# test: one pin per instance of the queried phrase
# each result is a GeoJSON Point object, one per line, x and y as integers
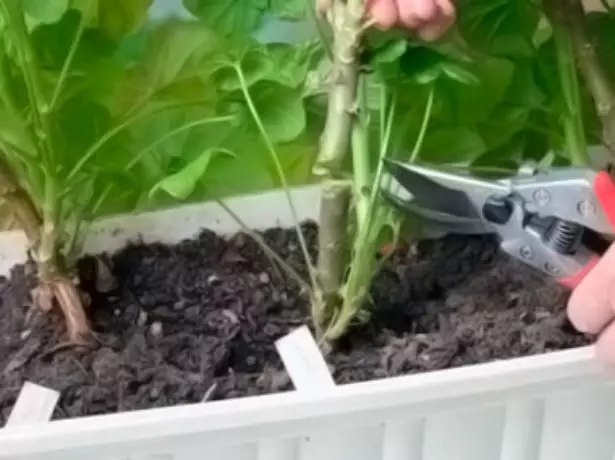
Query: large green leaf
{"type": "Point", "coordinates": [288, 9]}
{"type": "Point", "coordinates": [44, 11]}
{"type": "Point", "coordinates": [472, 104]}
{"type": "Point", "coordinates": [452, 145]}
{"type": "Point", "coordinates": [181, 184]}
{"type": "Point", "coordinates": [280, 109]}
{"type": "Point", "coordinates": [229, 16]}
{"type": "Point", "coordinates": [53, 43]}
{"type": "Point", "coordinates": [425, 65]}
{"type": "Point", "coordinates": [178, 49]}
{"type": "Point", "coordinates": [499, 27]}
{"type": "Point", "coordinates": [115, 18]}
{"type": "Point", "coordinates": [291, 63]}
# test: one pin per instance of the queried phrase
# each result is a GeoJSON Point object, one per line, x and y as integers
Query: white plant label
{"type": "Point", "coordinates": [35, 404]}
{"type": "Point", "coordinates": [304, 362]}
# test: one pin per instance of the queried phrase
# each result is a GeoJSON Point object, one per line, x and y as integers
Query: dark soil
{"type": "Point", "coordinates": [201, 317]}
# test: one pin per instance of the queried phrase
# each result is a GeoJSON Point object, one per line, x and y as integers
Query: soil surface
{"type": "Point", "coordinates": [198, 320]}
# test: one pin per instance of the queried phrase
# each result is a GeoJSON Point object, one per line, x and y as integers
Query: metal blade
{"type": "Point", "coordinates": [428, 194]}
{"type": "Point", "coordinates": [436, 222]}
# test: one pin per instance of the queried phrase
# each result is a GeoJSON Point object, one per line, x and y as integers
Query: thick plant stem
{"type": "Point", "coordinates": [346, 24]}
{"type": "Point", "coordinates": [54, 283]}
{"type": "Point", "coordinates": [571, 15]}
{"type": "Point", "coordinates": [333, 250]}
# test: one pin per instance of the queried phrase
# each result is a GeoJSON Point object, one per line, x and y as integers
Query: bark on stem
{"type": "Point", "coordinates": [332, 237]}
{"type": "Point", "coordinates": [346, 21]}
{"type": "Point", "coordinates": [571, 14]}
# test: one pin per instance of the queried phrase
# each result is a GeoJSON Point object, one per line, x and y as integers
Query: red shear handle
{"type": "Point", "coordinates": [572, 281]}
{"type": "Point", "coordinates": [604, 189]}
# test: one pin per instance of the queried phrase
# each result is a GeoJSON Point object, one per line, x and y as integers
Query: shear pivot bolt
{"type": "Point", "coordinates": [541, 197]}
{"type": "Point", "coordinates": [586, 208]}
{"type": "Point", "coordinates": [552, 269]}
{"type": "Point", "coordinates": [526, 252]}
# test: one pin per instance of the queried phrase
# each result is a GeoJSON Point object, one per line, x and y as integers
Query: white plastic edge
{"type": "Point", "coordinates": [304, 362]}
{"type": "Point", "coordinates": [482, 383]}
{"type": "Point", "coordinates": [35, 404]}
{"type": "Point", "coordinates": [259, 211]}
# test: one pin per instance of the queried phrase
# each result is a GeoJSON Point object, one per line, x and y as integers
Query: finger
{"type": "Point", "coordinates": [605, 345]}
{"type": "Point", "coordinates": [433, 31]}
{"type": "Point", "coordinates": [447, 8]}
{"type": "Point", "coordinates": [591, 305]}
{"type": "Point", "coordinates": [322, 6]}
{"type": "Point", "coordinates": [413, 13]}
{"type": "Point", "coordinates": [383, 12]}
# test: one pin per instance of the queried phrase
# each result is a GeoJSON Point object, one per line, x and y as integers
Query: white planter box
{"type": "Point", "coordinates": [559, 406]}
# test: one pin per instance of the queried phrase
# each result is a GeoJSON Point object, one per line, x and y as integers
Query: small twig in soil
{"type": "Point", "coordinates": [65, 346]}
{"type": "Point", "coordinates": [210, 392]}
{"type": "Point", "coordinates": [291, 272]}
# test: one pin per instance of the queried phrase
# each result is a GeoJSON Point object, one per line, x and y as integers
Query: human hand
{"type": "Point", "coordinates": [430, 19]}
{"type": "Point", "coordinates": [591, 307]}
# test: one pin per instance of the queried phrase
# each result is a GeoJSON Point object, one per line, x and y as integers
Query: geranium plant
{"type": "Point", "coordinates": [103, 111]}
{"type": "Point", "coordinates": [501, 88]}
{"type": "Point", "coordinates": [75, 126]}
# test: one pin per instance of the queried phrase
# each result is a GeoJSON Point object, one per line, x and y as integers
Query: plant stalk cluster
{"type": "Point", "coordinates": [569, 15]}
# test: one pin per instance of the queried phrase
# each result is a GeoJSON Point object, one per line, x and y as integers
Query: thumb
{"type": "Point", "coordinates": [592, 304]}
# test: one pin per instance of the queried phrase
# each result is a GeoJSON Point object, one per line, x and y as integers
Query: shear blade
{"type": "Point", "coordinates": [430, 195]}
{"type": "Point", "coordinates": [439, 223]}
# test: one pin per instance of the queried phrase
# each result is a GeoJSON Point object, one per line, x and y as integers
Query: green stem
{"type": "Point", "coordinates": [574, 131]}
{"type": "Point", "coordinates": [360, 156]}
{"type": "Point", "coordinates": [569, 15]}
{"type": "Point", "coordinates": [280, 171]}
{"type": "Point", "coordinates": [43, 132]}
{"type": "Point", "coordinates": [67, 62]}
{"type": "Point", "coordinates": [424, 125]}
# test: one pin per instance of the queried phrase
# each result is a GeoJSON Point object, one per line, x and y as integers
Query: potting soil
{"type": "Point", "coordinates": [198, 320]}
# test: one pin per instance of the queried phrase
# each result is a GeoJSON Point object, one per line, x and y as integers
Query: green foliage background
{"type": "Point", "coordinates": [494, 83]}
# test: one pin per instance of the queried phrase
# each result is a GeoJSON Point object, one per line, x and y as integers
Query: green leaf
{"type": "Point", "coordinates": [391, 51]}
{"type": "Point", "coordinates": [452, 145]}
{"type": "Point", "coordinates": [181, 184]}
{"type": "Point", "coordinates": [44, 11]}
{"type": "Point", "coordinates": [280, 109]}
{"type": "Point", "coordinates": [290, 10]}
{"type": "Point", "coordinates": [426, 65]}
{"type": "Point", "coordinates": [499, 162]}
{"type": "Point", "coordinates": [115, 18]}
{"type": "Point", "coordinates": [178, 49]}
{"type": "Point", "coordinates": [53, 42]}
{"type": "Point", "coordinates": [499, 27]}
{"type": "Point", "coordinates": [229, 16]}
{"type": "Point", "coordinates": [251, 59]}
{"type": "Point", "coordinates": [290, 64]}
{"type": "Point", "coordinates": [475, 103]}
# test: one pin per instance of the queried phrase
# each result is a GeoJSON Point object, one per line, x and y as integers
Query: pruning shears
{"type": "Point", "coordinates": [557, 220]}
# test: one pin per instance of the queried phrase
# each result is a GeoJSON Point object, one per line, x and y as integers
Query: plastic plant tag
{"type": "Point", "coordinates": [304, 362]}
{"type": "Point", "coordinates": [35, 404]}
